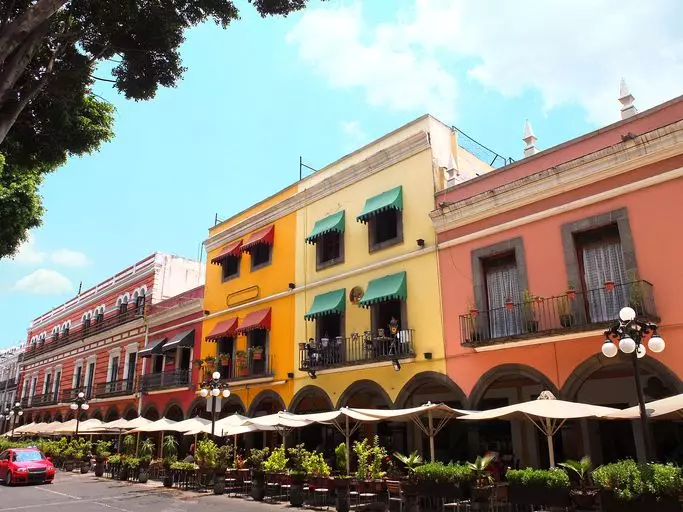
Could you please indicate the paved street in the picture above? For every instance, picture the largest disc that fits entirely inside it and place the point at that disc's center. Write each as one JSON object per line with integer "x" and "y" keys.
{"x": 84, "y": 493}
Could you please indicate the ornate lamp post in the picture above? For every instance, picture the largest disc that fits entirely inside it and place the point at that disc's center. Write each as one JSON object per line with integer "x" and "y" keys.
{"x": 14, "y": 413}
{"x": 630, "y": 336}
{"x": 77, "y": 406}
{"x": 215, "y": 388}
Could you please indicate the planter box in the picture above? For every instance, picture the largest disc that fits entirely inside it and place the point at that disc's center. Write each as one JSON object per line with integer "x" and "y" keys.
{"x": 643, "y": 503}
{"x": 537, "y": 495}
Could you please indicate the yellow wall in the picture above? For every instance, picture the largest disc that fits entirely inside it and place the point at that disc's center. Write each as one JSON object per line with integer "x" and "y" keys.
{"x": 271, "y": 280}
{"x": 423, "y": 304}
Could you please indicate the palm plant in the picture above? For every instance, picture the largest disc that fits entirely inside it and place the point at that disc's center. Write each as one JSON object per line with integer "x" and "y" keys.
{"x": 480, "y": 470}
{"x": 409, "y": 461}
{"x": 170, "y": 447}
{"x": 581, "y": 468}
{"x": 147, "y": 448}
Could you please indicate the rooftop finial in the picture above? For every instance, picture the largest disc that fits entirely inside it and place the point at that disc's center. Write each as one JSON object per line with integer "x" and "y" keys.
{"x": 626, "y": 99}
{"x": 530, "y": 140}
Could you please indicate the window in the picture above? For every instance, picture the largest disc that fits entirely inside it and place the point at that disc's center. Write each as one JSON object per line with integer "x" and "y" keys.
{"x": 99, "y": 316}
{"x": 260, "y": 256}
{"x": 114, "y": 369}
{"x": 226, "y": 346}
{"x": 329, "y": 250}
{"x": 230, "y": 266}
{"x": 501, "y": 278}
{"x": 78, "y": 376}
{"x": 385, "y": 229}
{"x": 257, "y": 343}
{"x": 90, "y": 380}
{"x": 86, "y": 321}
{"x": 123, "y": 307}
{"x": 55, "y": 334}
{"x": 140, "y": 305}
{"x": 383, "y": 313}
{"x": 132, "y": 361}
{"x": 58, "y": 381}
{"x": 329, "y": 326}
{"x": 48, "y": 382}
{"x": 158, "y": 363}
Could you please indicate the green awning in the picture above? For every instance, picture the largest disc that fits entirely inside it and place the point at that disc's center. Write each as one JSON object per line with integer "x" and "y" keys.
{"x": 391, "y": 287}
{"x": 389, "y": 200}
{"x": 334, "y": 222}
{"x": 327, "y": 304}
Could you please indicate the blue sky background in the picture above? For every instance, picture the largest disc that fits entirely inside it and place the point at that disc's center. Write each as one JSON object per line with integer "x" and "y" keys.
{"x": 261, "y": 93}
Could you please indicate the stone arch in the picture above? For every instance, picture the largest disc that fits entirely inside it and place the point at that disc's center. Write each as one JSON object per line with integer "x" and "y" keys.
{"x": 597, "y": 362}
{"x": 430, "y": 378}
{"x": 97, "y": 414}
{"x": 508, "y": 370}
{"x": 198, "y": 408}
{"x": 112, "y": 414}
{"x": 263, "y": 398}
{"x": 58, "y": 416}
{"x": 363, "y": 386}
{"x": 174, "y": 411}
{"x": 130, "y": 412}
{"x": 151, "y": 412}
{"x": 317, "y": 397}
{"x": 232, "y": 405}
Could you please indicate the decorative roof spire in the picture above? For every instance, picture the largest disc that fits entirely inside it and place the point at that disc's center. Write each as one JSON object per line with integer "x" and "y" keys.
{"x": 530, "y": 140}
{"x": 626, "y": 100}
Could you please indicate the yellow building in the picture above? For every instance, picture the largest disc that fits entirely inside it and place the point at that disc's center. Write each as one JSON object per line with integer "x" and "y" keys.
{"x": 249, "y": 305}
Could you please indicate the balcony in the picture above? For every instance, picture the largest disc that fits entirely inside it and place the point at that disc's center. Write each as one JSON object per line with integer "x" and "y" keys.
{"x": 165, "y": 380}
{"x": 69, "y": 395}
{"x": 45, "y": 399}
{"x": 541, "y": 317}
{"x": 122, "y": 387}
{"x": 8, "y": 384}
{"x": 82, "y": 332}
{"x": 364, "y": 349}
{"x": 248, "y": 367}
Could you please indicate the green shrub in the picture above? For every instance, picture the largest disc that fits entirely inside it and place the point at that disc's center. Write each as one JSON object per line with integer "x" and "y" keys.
{"x": 340, "y": 455}
{"x": 627, "y": 479}
{"x": 316, "y": 466}
{"x": 206, "y": 453}
{"x": 550, "y": 478}
{"x": 277, "y": 461}
{"x": 440, "y": 473}
{"x": 257, "y": 458}
{"x": 114, "y": 459}
{"x": 184, "y": 466}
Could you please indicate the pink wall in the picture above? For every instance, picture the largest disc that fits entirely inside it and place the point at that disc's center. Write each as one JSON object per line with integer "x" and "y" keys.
{"x": 653, "y": 215}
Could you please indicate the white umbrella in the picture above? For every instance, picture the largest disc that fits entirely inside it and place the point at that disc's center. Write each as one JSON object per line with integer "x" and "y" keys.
{"x": 191, "y": 424}
{"x": 669, "y": 408}
{"x": 546, "y": 412}
{"x": 159, "y": 425}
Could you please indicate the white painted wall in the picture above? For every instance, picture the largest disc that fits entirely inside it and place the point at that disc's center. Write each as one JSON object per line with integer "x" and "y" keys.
{"x": 175, "y": 275}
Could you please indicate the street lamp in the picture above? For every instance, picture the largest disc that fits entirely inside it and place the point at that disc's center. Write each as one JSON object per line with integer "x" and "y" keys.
{"x": 4, "y": 416}
{"x": 77, "y": 405}
{"x": 215, "y": 388}
{"x": 14, "y": 413}
{"x": 630, "y": 337}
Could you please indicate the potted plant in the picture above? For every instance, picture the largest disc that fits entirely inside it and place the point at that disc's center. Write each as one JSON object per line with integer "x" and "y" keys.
{"x": 102, "y": 452}
{"x": 609, "y": 285}
{"x": 298, "y": 464}
{"x": 509, "y": 303}
{"x": 257, "y": 353}
{"x": 571, "y": 291}
{"x": 198, "y": 363}
{"x": 170, "y": 454}
{"x": 565, "y": 312}
{"x": 210, "y": 363}
{"x": 530, "y": 320}
{"x": 531, "y": 487}
{"x": 410, "y": 462}
{"x": 342, "y": 481}
{"x": 363, "y": 451}
{"x": 114, "y": 463}
{"x": 483, "y": 480}
{"x": 241, "y": 361}
{"x": 472, "y": 308}
{"x": 224, "y": 359}
{"x": 146, "y": 453}
{"x": 583, "y": 497}
{"x": 257, "y": 460}
{"x": 379, "y": 455}
{"x": 223, "y": 458}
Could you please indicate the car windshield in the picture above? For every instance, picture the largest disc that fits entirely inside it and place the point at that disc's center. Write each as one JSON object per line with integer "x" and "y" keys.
{"x": 28, "y": 456}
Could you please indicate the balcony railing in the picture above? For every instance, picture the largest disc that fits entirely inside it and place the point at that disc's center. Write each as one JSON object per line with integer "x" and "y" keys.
{"x": 45, "y": 399}
{"x": 165, "y": 380}
{"x": 364, "y": 349}
{"x": 121, "y": 387}
{"x": 79, "y": 333}
{"x": 69, "y": 395}
{"x": 253, "y": 366}
{"x": 549, "y": 316}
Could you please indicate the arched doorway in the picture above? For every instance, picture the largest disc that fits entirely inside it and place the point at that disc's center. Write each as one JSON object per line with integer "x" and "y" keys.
{"x": 452, "y": 440}
{"x": 112, "y": 414}
{"x": 266, "y": 402}
{"x": 174, "y": 412}
{"x": 130, "y": 413}
{"x": 516, "y": 442}
{"x": 367, "y": 394}
{"x": 151, "y": 413}
{"x": 311, "y": 399}
{"x": 97, "y": 415}
{"x": 610, "y": 382}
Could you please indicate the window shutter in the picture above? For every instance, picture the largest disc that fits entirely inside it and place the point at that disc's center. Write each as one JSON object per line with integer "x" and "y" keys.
{"x": 602, "y": 262}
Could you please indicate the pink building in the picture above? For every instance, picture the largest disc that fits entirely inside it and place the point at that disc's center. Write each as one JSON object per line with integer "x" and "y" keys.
{"x": 538, "y": 257}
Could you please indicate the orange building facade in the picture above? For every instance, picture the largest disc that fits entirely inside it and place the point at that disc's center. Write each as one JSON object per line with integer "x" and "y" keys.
{"x": 537, "y": 258}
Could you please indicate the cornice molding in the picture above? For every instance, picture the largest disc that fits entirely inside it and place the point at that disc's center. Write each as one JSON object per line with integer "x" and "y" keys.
{"x": 176, "y": 312}
{"x": 648, "y": 148}
{"x": 378, "y": 162}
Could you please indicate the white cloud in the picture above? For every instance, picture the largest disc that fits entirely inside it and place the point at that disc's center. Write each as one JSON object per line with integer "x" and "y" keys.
{"x": 28, "y": 254}
{"x": 44, "y": 282}
{"x": 69, "y": 258}
{"x": 569, "y": 51}
{"x": 354, "y": 133}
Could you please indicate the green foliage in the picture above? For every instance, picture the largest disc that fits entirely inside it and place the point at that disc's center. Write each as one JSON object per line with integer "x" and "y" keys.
{"x": 147, "y": 448}
{"x": 379, "y": 455}
{"x": 103, "y": 448}
{"x": 170, "y": 448}
{"x": 131, "y": 462}
{"x": 184, "y": 466}
{"x": 340, "y": 457}
{"x": 363, "y": 451}
{"x": 440, "y": 473}
{"x": 257, "y": 458}
{"x": 225, "y": 456}
{"x": 277, "y": 460}
{"x": 129, "y": 444}
{"x": 627, "y": 479}
{"x": 479, "y": 467}
{"x": 581, "y": 468}
{"x": 316, "y": 466}
{"x": 411, "y": 462}
{"x": 115, "y": 459}
{"x": 298, "y": 458}
{"x": 550, "y": 478}
{"x": 206, "y": 453}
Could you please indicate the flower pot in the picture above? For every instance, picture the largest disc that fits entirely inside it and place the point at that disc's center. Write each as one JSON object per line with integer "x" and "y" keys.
{"x": 225, "y": 361}
{"x": 99, "y": 469}
{"x": 85, "y": 467}
{"x": 258, "y": 487}
{"x": 168, "y": 481}
{"x": 584, "y": 499}
{"x": 123, "y": 474}
{"x": 219, "y": 486}
{"x": 296, "y": 491}
{"x": 257, "y": 356}
{"x": 143, "y": 476}
{"x": 566, "y": 321}
{"x": 412, "y": 496}
{"x": 342, "y": 503}
{"x": 609, "y": 285}
{"x": 69, "y": 466}
{"x": 509, "y": 305}
{"x": 571, "y": 294}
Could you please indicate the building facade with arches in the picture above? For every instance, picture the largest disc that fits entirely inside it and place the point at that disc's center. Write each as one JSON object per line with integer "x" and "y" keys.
{"x": 537, "y": 258}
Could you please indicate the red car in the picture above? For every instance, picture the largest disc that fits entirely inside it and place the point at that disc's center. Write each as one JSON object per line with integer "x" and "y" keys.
{"x": 24, "y": 466}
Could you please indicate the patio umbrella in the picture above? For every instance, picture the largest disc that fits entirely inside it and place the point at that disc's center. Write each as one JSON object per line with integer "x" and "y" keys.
{"x": 546, "y": 412}
{"x": 670, "y": 408}
{"x": 25, "y": 429}
{"x": 161, "y": 425}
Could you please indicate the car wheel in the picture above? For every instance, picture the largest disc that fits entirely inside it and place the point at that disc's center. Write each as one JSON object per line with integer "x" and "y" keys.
{"x": 8, "y": 478}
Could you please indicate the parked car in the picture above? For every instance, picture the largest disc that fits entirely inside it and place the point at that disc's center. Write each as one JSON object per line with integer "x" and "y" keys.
{"x": 25, "y": 466}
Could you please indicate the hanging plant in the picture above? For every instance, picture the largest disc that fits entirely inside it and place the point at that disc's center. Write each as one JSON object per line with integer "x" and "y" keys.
{"x": 257, "y": 353}
{"x": 571, "y": 292}
{"x": 224, "y": 359}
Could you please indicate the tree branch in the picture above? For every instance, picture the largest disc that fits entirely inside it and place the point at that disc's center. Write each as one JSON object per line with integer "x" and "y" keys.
{"x": 15, "y": 67}
{"x": 103, "y": 79}
{"x": 12, "y": 35}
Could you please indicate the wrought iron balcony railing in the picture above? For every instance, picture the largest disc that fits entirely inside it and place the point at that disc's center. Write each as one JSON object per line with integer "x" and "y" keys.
{"x": 574, "y": 311}
{"x": 44, "y": 399}
{"x": 248, "y": 366}
{"x": 69, "y": 395}
{"x": 79, "y": 333}
{"x": 165, "y": 380}
{"x": 363, "y": 349}
{"x": 121, "y": 387}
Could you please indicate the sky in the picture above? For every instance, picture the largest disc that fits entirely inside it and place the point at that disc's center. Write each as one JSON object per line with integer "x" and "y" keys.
{"x": 317, "y": 85}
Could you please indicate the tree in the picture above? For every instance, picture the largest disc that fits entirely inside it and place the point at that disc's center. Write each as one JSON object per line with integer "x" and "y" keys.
{"x": 49, "y": 53}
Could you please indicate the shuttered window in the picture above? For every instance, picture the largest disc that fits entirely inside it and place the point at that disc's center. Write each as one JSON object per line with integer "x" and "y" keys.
{"x": 502, "y": 281}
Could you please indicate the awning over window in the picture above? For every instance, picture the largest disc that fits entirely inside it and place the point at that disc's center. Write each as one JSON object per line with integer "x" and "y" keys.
{"x": 184, "y": 339}
{"x": 334, "y": 222}
{"x": 329, "y": 303}
{"x": 255, "y": 320}
{"x": 264, "y": 236}
{"x": 152, "y": 348}
{"x": 232, "y": 249}
{"x": 223, "y": 329}
{"x": 389, "y": 200}
{"x": 391, "y": 287}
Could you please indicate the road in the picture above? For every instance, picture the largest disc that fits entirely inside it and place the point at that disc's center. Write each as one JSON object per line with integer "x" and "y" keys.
{"x": 85, "y": 493}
